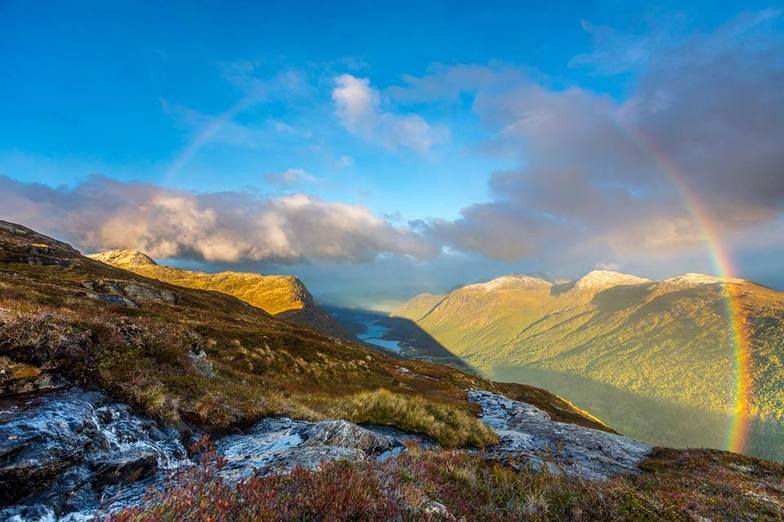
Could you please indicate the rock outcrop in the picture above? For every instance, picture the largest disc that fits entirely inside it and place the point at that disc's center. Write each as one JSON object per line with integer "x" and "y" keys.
{"x": 73, "y": 454}
{"x": 277, "y": 445}
{"x": 65, "y": 451}
{"x": 528, "y": 437}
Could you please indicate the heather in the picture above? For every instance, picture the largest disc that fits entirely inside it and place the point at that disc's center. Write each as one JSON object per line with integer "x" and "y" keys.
{"x": 447, "y": 485}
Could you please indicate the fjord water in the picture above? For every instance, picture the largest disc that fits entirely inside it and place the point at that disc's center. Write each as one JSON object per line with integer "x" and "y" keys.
{"x": 375, "y": 333}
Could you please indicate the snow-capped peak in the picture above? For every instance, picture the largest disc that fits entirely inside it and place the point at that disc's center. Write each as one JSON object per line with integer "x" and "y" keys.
{"x": 509, "y": 281}
{"x": 693, "y": 279}
{"x": 124, "y": 258}
{"x": 608, "y": 278}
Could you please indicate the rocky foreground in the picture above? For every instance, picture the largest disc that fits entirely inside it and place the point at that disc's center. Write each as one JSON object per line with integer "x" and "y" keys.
{"x": 77, "y": 455}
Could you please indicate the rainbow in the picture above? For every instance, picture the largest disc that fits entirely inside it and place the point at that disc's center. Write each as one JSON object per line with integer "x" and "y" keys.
{"x": 738, "y": 429}
{"x": 206, "y": 134}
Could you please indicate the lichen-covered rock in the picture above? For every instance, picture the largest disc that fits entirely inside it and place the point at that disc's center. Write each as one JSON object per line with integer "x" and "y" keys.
{"x": 146, "y": 293}
{"x": 67, "y": 449}
{"x": 344, "y": 434}
{"x": 436, "y": 510}
{"x": 199, "y": 359}
{"x": 528, "y": 436}
{"x": 112, "y": 299}
{"x": 126, "y": 293}
{"x": 276, "y": 445}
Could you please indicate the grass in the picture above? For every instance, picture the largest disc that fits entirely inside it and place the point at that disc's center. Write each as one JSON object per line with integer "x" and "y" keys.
{"x": 676, "y": 485}
{"x": 447, "y": 425}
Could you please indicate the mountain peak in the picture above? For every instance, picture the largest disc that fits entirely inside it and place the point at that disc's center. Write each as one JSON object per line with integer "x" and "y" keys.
{"x": 124, "y": 258}
{"x": 507, "y": 281}
{"x": 608, "y": 278}
{"x": 693, "y": 278}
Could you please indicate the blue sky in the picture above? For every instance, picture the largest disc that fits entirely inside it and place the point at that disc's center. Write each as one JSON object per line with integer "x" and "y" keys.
{"x": 419, "y": 114}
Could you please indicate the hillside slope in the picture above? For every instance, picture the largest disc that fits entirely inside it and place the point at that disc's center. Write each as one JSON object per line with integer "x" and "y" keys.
{"x": 626, "y": 339}
{"x": 417, "y": 307}
{"x": 191, "y": 357}
{"x": 280, "y": 295}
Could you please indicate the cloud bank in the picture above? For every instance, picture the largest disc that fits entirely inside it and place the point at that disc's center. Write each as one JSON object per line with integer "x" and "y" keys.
{"x": 101, "y": 213}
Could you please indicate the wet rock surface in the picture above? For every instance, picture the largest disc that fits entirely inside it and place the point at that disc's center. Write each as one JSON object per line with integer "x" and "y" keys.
{"x": 67, "y": 451}
{"x": 277, "y": 445}
{"x": 529, "y": 437}
{"x": 75, "y": 455}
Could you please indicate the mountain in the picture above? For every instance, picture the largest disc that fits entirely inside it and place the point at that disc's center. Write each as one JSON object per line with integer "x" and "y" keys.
{"x": 280, "y": 295}
{"x": 106, "y": 376}
{"x": 609, "y": 339}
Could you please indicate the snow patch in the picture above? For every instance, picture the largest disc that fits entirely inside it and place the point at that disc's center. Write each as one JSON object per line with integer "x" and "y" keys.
{"x": 608, "y": 278}
{"x": 509, "y": 281}
{"x": 694, "y": 279}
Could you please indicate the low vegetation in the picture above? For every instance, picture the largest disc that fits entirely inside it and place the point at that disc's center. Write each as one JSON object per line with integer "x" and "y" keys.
{"x": 676, "y": 485}
{"x": 447, "y": 425}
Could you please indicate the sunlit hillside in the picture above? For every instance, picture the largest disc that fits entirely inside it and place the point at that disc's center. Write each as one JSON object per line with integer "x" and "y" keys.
{"x": 609, "y": 339}
{"x": 417, "y": 307}
{"x": 280, "y": 295}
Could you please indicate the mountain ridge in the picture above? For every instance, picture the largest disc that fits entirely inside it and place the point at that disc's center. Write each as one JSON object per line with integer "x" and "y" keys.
{"x": 280, "y": 295}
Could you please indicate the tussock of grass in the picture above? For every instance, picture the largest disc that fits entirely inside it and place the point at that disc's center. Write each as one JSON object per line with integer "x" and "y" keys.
{"x": 446, "y": 424}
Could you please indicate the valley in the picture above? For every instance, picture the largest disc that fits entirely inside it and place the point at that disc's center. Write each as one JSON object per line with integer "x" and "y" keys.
{"x": 391, "y": 261}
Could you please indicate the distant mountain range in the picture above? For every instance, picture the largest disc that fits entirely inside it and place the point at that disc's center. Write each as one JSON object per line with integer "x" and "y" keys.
{"x": 283, "y": 296}
{"x": 654, "y": 358}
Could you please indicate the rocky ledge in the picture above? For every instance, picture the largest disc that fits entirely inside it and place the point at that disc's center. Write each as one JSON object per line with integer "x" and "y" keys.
{"x": 75, "y": 455}
{"x": 529, "y": 437}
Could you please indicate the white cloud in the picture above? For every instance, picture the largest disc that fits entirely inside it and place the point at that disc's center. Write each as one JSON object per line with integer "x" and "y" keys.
{"x": 358, "y": 107}
{"x": 101, "y": 213}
